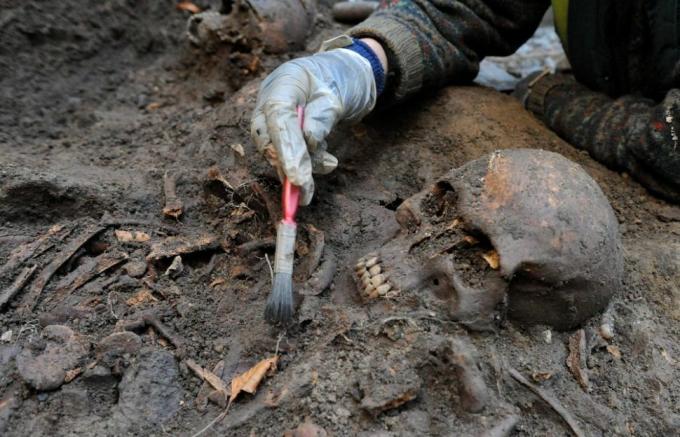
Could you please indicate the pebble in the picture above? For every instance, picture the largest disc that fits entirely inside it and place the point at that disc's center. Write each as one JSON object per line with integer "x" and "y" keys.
{"x": 43, "y": 363}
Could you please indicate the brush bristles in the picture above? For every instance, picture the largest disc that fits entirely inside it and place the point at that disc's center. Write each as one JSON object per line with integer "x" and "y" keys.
{"x": 280, "y": 303}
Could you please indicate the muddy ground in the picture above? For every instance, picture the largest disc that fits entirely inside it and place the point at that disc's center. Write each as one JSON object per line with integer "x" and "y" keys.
{"x": 100, "y": 99}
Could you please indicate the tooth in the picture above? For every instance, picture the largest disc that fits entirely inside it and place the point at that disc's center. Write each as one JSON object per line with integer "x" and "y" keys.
{"x": 372, "y": 293}
{"x": 378, "y": 280}
{"x": 365, "y": 275}
{"x": 371, "y": 262}
{"x": 362, "y": 259}
{"x": 366, "y": 282}
{"x": 360, "y": 265}
{"x": 375, "y": 270}
{"x": 383, "y": 289}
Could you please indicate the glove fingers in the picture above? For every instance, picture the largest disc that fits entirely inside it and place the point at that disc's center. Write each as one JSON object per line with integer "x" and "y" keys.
{"x": 321, "y": 115}
{"x": 258, "y": 130}
{"x": 322, "y": 161}
{"x": 284, "y": 131}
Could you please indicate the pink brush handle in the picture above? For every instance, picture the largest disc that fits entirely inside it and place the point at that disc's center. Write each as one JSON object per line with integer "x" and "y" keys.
{"x": 291, "y": 193}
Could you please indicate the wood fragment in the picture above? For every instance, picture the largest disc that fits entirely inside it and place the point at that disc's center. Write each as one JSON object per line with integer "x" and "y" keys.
{"x": 31, "y": 299}
{"x": 493, "y": 259}
{"x": 576, "y": 361}
{"x": 151, "y": 319}
{"x": 88, "y": 271}
{"x": 141, "y": 297}
{"x": 269, "y": 204}
{"x": 207, "y": 376}
{"x": 17, "y": 285}
{"x": 310, "y": 262}
{"x": 251, "y": 246}
{"x": 550, "y": 400}
{"x": 28, "y": 250}
{"x": 72, "y": 374}
{"x": 173, "y": 205}
{"x": 131, "y": 236}
{"x": 170, "y": 247}
{"x": 206, "y": 389}
{"x": 323, "y": 276}
{"x": 187, "y": 6}
{"x": 219, "y": 186}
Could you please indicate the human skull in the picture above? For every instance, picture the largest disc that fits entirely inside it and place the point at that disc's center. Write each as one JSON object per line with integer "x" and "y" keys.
{"x": 524, "y": 232}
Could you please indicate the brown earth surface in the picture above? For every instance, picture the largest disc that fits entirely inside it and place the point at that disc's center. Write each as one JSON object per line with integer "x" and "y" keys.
{"x": 100, "y": 100}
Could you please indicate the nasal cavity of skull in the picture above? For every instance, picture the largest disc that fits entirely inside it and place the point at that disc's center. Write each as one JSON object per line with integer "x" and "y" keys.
{"x": 440, "y": 203}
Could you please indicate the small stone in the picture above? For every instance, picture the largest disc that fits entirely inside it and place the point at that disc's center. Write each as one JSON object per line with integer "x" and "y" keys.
{"x": 116, "y": 345}
{"x": 176, "y": 267}
{"x": 606, "y": 331}
{"x": 6, "y": 336}
{"x": 42, "y": 397}
{"x": 135, "y": 269}
{"x": 150, "y": 392}
{"x": 44, "y": 362}
{"x": 547, "y": 336}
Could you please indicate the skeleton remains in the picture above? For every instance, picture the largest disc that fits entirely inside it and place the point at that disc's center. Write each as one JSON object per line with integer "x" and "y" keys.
{"x": 521, "y": 232}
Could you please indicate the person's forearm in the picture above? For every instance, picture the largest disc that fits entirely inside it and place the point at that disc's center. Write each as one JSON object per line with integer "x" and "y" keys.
{"x": 378, "y": 50}
{"x": 430, "y": 43}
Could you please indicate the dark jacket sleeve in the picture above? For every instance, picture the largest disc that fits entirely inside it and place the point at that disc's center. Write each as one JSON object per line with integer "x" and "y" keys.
{"x": 630, "y": 133}
{"x": 431, "y": 43}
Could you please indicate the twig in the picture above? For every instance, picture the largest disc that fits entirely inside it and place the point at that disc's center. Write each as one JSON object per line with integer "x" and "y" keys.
{"x": 550, "y": 400}
{"x": 17, "y": 285}
{"x": 217, "y": 419}
{"x": 271, "y": 271}
{"x": 250, "y": 246}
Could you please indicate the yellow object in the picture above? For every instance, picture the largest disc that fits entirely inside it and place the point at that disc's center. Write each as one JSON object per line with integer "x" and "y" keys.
{"x": 561, "y": 14}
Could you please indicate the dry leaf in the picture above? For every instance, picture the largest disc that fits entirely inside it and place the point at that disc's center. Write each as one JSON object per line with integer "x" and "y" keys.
{"x": 238, "y": 148}
{"x": 614, "y": 351}
{"x": 217, "y": 282}
{"x": 153, "y": 106}
{"x": 131, "y": 236}
{"x": 250, "y": 379}
{"x": 141, "y": 297}
{"x": 492, "y": 258}
{"x": 71, "y": 374}
{"x": 188, "y": 6}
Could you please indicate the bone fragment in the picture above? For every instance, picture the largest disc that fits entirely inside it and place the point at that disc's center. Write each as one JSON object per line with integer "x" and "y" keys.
{"x": 173, "y": 205}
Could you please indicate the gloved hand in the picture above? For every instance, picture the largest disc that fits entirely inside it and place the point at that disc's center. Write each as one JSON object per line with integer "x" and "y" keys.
{"x": 333, "y": 86}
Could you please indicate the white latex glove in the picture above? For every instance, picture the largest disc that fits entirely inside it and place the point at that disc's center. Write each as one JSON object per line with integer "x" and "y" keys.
{"x": 333, "y": 86}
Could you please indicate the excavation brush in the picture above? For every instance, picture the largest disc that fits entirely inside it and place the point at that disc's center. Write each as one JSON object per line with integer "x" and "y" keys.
{"x": 280, "y": 303}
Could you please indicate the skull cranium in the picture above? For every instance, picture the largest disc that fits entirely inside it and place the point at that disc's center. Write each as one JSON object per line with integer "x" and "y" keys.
{"x": 522, "y": 231}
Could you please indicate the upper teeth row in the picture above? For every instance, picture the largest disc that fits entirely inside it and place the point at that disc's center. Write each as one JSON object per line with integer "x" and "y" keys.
{"x": 371, "y": 279}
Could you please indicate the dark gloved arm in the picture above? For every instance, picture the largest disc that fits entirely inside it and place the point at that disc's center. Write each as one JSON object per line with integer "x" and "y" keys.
{"x": 630, "y": 133}
{"x": 430, "y": 43}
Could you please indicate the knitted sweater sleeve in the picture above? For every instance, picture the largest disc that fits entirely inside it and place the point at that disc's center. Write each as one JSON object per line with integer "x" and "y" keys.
{"x": 432, "y": 43}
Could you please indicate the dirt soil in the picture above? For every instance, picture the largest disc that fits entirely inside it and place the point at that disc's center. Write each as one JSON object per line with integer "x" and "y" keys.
{"x": 100, "y": 100}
